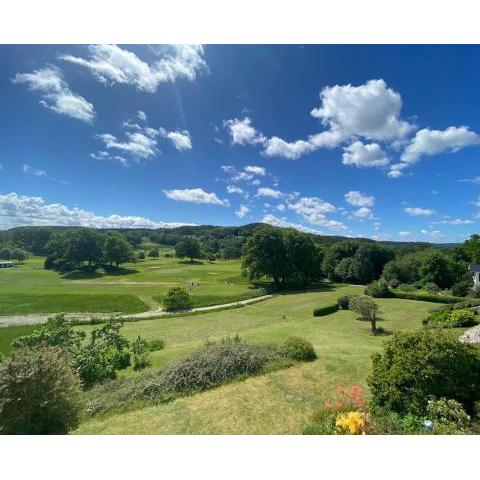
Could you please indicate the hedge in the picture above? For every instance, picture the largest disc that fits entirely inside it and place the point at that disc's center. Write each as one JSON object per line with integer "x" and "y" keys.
{"x": 425, "y": 297}
{"x": 327, "y": 310}
{"x": 457, "y": 306}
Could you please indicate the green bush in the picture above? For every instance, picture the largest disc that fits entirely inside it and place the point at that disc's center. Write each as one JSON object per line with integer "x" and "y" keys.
{"x": 156, "y": 345}
{"x": 425, "y": 297}
{"x": 431, "y": 287}
{"x": 343, "y": 302}
{"x": 177, "y": 298}
{"x": 461, "y": 289}
{"x": 327, "y": 310}
{"x": 378, "y": 289}
{"x": 323, "y": 423}
{"x": 299, "y": 349}
{"x": 447, "y": 412}
{"x": 414, "y": 366}
{"x": 406, "y": 287}
{"x": 456, "y": 306}
{"x": 450, "y": 319}
{"x": 140, "y": 353}
{"x": 39, "y": 392}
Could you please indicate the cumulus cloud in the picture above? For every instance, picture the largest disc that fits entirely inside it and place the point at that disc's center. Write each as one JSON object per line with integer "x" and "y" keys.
{"x": 269, "y": 192}
{"x": 33, "y": 171}
{"x": 234, "y": 189}
{"x": 284, "y": 223}
{"x": 180, "y": 140}
{"x": 242, "y": 211}
{"x": 102, "y": 155}
{"x": 242, "y": 132}
{"x": 142, "y": 115}
{"x": 419, "y": 212}
{"x": 136, "y": 144}
{"x": 404, "y": 234}
{"x": 454, "y": 221}
{"x": 371, "y": 110}
{"x": 433, "y": 142}
{"x": 363, "y": 155}
{"x": 363, "y": 212}
{"x": 111, "y": 64}
{"x": 247, "y": 174}
{"x": 358, "y": 199}
{"x": 194, "y": 195}
{"x": 17, "y": 210}
{"x": 314, "y": 210}
{"x": 256, "y": 170}
{"x": 56, "y": 94}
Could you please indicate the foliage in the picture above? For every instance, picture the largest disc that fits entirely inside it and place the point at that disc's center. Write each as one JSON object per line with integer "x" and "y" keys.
{"x": 351, "y": 423}
{"x": 378, "y": 289}
{"x": 405, "y": 269}
{"x": 141, "y": 255}
{"x": 450, "y": 319}
{"x": 189, "y": 247}
{"x": 425, "y": 297}
{"x": 369, "y": 261}
{"x": 299, "y": 349}
{"x": 140, "y": 353}
{"x": 39, "y": 392}
{"x": 335, "y": 254}
{"x": 326, "y": 310}
{"x": 414, "y": 366}
{"x": 177, "y": 298}
{"x": 154, "y": 253}
{"x": 367, "y": 309}
{"x": 441, "y": 270}
{"x": 56, "y": 332}
{"x": 461, "y": 289}
{"x": 117, "y": 250}
{"x": 155, "y": 345}
{"x": 457, "y": 306}
{"x": 431, "y": 287}
{"x": 287, "y": 256}
{"x": 447, "y": 412}
{"x": 344, "y": 270}
{"x": 344, "y": 302}
{"x": 5, "y": 253}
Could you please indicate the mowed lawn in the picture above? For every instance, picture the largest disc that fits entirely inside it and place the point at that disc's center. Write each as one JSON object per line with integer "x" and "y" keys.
{"x": 277, "y": 403}
{"x": 138, "y": 287}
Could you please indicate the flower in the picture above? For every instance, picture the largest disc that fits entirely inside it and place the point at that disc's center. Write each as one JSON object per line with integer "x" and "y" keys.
{"x": 351, "y": 423}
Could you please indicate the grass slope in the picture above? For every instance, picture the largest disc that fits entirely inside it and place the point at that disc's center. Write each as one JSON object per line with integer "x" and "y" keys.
{"x": 276, "y": 403}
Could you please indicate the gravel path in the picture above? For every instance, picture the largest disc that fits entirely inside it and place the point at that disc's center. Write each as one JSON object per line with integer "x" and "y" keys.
{"x": 11, "y": 320}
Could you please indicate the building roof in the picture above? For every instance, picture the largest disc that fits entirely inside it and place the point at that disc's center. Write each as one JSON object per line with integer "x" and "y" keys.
{"x": 474, "y": 267}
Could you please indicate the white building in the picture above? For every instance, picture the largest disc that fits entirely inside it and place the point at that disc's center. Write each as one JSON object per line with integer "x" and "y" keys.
{"x": 6, "y": 264}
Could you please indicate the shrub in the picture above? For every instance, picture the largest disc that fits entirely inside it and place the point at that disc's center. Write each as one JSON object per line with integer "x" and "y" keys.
{"x": 327, "y": 310}
{"x": 343, "y": 302}
{"x": 378, "y": 289}
{"x": 154, "y": 253}
{"x": 140, "y": 353}
{"x": 367, "y": 309}
{"x": 39, "y": 392}
{"x": 217, "y": 363}
{"x": 323, "y": 423}
{"x": 393, "y": 283}
{"x": 414, "y": 366}
{"x": 425, "y": 297}
{"x": 406, "y": 287}
{"x": 141, "y": 255}
{"x": 461, "y": 289}
{"x": 456, "y": 306}
{"x": 156, "y": 345}
{"x": 299, "y": 349}
{"x": 447, "y": 412}
{"x": 351, "y": 423}
{"x": 431, "y": 287}
{"x": 450, "y": 319}
{"x": 177, "y": 298}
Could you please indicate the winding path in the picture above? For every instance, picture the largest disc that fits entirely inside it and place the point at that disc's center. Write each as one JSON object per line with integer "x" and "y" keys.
{"x": 11, "y": 320}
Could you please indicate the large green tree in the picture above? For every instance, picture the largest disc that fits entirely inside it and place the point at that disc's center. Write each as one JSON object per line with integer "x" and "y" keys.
{"x": 117, "y": 250}
{"x": 189, "y": 247}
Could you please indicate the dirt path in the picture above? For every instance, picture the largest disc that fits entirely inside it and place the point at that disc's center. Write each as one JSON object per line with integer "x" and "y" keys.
{"x": 11, "y": 320}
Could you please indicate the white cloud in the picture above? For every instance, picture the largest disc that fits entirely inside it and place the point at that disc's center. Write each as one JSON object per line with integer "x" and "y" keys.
{"x": 17, "y": 210}
{"x": 364, "y": 155}
{"x": 181, "y": 140}
{"x": 269, "y": 192}
{"x": 242, "y": 132}
{"x": 358, "y": 199}
{"x": 475, "y": 180}
{"x": 111, "y": 64}
{"x": 33, "y": 171}
{"x": 313, "y": 210}
{"x": 404, "y": 234}
{"x": 56, "y": 93}
{"x": 194, "y": 195}
{"x": 256, "y": 170}
{"x": 281, "y": 207}
{"x": 234, "y": 189}
{"x": 455, "y": 221}
{"x": 370, "y": 110}
{"x": 277, "y": 147}
{"x": 142, "y": 115}
{"x": 363, "y": 212}
{"x": 242, "y": 211}
{"x": 102, "y": 155}
{"x": 419, "y": 212}
{"x": 137, "y": 144}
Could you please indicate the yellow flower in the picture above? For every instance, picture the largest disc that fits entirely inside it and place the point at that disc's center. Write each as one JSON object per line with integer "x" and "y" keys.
{"x": 351, "y": 423}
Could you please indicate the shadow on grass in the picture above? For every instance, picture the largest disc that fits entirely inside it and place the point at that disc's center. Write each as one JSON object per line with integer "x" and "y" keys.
{"x": 195, "y": 262}
{"x": 92, "y": 274}
{"x": 117, "y": 271}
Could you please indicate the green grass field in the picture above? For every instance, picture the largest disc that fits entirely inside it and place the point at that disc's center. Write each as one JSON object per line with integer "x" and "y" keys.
{"x": 276, "y": 403}
{"x": 29, "y": 288}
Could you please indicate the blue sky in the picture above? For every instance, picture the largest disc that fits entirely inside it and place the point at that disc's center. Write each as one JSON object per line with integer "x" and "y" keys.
{"x": 373, "y": 141}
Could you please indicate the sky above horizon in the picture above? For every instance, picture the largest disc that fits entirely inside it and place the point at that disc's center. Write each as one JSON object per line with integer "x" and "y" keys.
{"x": 372, "y": 141}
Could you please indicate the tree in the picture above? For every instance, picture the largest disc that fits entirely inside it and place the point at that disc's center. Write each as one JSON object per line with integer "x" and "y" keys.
{"x": 117, "y": 250}
{"x": 5, "y": 253}
{"x": 441, "y": 270}
{"x": 141, "y": 255}
{"x": 177, "y": 298}
{"x": 19, "y": 255}
{"x": 154, "y": 253}
{"x": 344, "y": 271}
{"x": 265, "y": 256}
{"x": 189, "y": 247}
{"x": 85, "y": 245}
{"x": 369, "y": 260}
{"x": 334, "y": 254}
{"x": 39, "y": 392}
{"x": 367, "y": 309}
